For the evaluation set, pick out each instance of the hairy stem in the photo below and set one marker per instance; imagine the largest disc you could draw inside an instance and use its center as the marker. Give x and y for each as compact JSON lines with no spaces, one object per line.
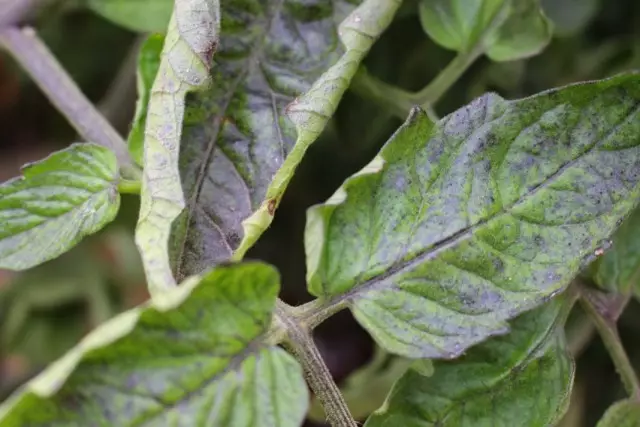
{"x":300,"y":343}
{"x":317,"y":311}
{"x":605,"y":323}
{"x":37,"y":60}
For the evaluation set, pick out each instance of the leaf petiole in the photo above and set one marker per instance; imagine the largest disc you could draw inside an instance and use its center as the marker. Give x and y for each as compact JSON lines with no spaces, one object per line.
{"x":126,"y":186}
{"x":432,"y":93}
{"x":604,"y":312}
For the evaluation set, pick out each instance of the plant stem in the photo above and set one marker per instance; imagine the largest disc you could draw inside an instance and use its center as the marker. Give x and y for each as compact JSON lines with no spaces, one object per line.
{"x":37,"y":60}
{"x":126,"y":186}
{"x":318,"y":376}
{"x":395,"y":100}
{"x":432,"y":93}
{"x":317,"y":311}
{"x":13,"y":12}
{"x":606,"y":326}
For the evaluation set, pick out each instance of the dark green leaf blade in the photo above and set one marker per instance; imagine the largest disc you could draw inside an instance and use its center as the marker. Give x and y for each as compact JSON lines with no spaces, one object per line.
{"x":58,"y":201}
{"x":457,"y":227}
{"x":625,"y":413}
{"x":521,"y":379}
{"x":148,"y":65}
{"x":136,"y":15}
{"x":504,"y":30}
{"x":195,"y":357}
{"x":618,"y":270}
{"x":280,"y":72}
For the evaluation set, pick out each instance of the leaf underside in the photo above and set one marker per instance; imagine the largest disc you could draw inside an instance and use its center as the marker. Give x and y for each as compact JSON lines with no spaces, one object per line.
{"x":459,"y":226}
{"x":58,"y":200}
{"x":521,"y":379}
{"x":281,"y":69}
{"x":199,"y":362}
{"x":187,"y":53}
{"x":147,"y":70}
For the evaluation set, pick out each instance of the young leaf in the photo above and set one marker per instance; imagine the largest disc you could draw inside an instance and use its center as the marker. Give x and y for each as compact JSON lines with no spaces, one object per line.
{"x":186,"y":59}
{"x":148,"y":65}
{"x":521,"y":379}
{"x":138,"y":15}
{"x":196,"y":359}
{"x":619,"y":269}
{"x":622,"y":414}
{"x":279,"y":76}
{"x":459,"y":226}
{"x":504,"y":30}
{"x":58,"y":200}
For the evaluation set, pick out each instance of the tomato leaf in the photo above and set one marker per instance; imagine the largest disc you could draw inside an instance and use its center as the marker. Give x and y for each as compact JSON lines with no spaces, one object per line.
{"x":280,"y":72}
{"x":618,"y":270}
{"x":504,"y":30}
{"x":186,"y":60}
{"x":136,"y":15}
{"x":457,"y":227}
{"x":148,"y":65}
{"x":522,"y":379}
{"x":622,"y":414}
{"x":58,"y":201}
{"x":194,"y":357}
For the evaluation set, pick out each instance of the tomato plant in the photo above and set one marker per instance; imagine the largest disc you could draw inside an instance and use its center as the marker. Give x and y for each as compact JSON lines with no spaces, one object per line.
{"x":462,"y":247}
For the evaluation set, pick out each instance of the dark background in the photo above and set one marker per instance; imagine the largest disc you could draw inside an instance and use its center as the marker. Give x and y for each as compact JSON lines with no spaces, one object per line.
{"x":45,"y":311}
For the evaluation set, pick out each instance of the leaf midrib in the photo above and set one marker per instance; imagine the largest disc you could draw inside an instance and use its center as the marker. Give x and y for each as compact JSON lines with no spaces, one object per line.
{"x":466,"y":233}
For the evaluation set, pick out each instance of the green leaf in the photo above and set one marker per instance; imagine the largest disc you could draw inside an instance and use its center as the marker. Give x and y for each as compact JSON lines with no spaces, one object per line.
{"x":136,"y":15}
{"x":625,"y":413}
{"x":570,"y":16}
{"x":184,"y":67}
{"x":366,"y":388}
{"x":504,"y":30}
{"x":458,"y":226}
{"x":521,"y":379}
{"x":58,"y":200}
{"x":281,"y":71}
{"x":619,"y":269}
{"x":148,"y":65}
{"x":196,"y":357}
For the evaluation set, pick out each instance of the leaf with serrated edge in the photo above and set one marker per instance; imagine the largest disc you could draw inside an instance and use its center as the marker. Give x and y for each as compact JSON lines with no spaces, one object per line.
{"x":504,"y":30}
{"x":459,"y":226}
{"x":136,"y":15}
{"x":618,"y":270}
{"x":196,"y":358}
{"x":186,"y":58}
{"x":625,"y":413}
{"x":280,"y":72}
{"x":521,"y":379}
{"x":58,"y":201}
{"x":148,"y":64}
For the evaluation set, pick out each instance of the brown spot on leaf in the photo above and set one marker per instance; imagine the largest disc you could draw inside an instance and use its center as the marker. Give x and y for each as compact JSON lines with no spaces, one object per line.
{"x":271,"y":206}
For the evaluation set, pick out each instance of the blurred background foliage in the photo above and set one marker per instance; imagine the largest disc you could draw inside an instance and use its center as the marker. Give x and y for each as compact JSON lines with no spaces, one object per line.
{"x":46,"y":310}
